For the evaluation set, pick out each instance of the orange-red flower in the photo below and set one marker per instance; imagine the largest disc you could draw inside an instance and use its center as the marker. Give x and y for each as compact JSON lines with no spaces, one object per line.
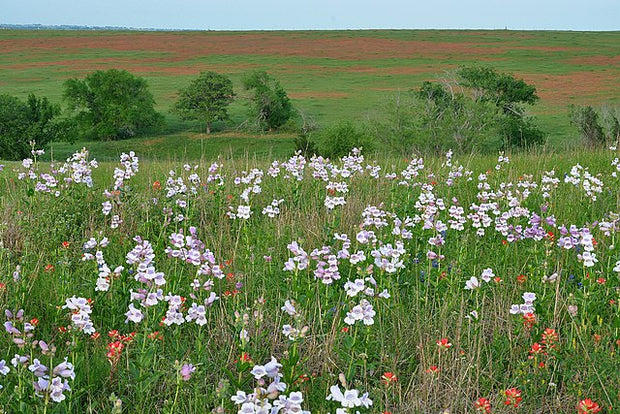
{"x":388,"y":378}
{"x":433,"y":369}
{"x":536,"y":349}
{"x":549,"y":337}
{"x":114,"y":351}
{"x":588,"y":406}
{"x":529,"y":320}
{"x":513,"y":397}
{"x":443,"y":343}
{"x":482,"y":405}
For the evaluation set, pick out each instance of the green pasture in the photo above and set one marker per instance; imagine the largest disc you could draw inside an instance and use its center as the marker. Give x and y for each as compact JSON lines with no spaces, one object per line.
{"x":328,"y":86}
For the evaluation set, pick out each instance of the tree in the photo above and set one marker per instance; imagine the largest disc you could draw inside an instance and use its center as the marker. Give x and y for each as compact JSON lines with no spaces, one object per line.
{"x":509,"y":95}
{"x":206,"y":99}
{"x":24,"y":122}
{"x":503,"y":90}
{"x":112,"y":104}
{"x":271,"y":106}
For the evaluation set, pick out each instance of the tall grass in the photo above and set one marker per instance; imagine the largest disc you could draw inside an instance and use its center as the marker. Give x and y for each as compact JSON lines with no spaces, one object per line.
{"x":406,"y":328}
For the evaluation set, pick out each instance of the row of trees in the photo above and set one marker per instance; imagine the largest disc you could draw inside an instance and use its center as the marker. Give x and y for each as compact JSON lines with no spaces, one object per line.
{"x":115,"y":104}
{"x":473,"y":108}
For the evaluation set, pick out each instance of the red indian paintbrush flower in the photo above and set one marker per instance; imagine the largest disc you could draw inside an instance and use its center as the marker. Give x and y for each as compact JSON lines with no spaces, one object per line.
{"x":443,"y":343}
{"x":482,"y":405}
{"x":513,"y":397}
{"x":588,"y":406}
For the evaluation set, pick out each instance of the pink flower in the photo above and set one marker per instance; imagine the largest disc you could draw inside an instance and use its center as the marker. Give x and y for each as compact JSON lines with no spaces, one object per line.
{"x":186,"y":371}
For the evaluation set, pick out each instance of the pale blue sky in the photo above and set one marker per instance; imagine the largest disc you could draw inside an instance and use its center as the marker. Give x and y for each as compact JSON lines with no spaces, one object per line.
{"x":318,"y":14}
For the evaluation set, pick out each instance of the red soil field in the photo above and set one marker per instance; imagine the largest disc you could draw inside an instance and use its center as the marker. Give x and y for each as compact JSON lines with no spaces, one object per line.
{"x":182,"y":46}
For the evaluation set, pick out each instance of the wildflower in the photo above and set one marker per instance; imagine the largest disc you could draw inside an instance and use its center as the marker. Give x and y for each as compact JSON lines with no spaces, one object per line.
{"x":270,"y":369}
{"x":38,"y":369}
{"x":513,"y":397}
{"x":186,"y":371}
{"x":482,"y":405}
{"x":66,"y":244}
{"x":521,"y":279}
{"x":549,"y":337}
{"x":289,"y":307}
{"x":572,"y":310}
{"x":388,"y":378}
{"x":536,"y":349}
{"x":65,"y":370}
{"x":487,"y":275}
{"x":588,"y":406}
{"x":348,"y":399}
{"x":156,"y":185}
{"x":114,"y":352}
{"x":529,"y":320}
{"x":433,"y":369}
{"x":472,"y":283}
{"x":443,"y":343}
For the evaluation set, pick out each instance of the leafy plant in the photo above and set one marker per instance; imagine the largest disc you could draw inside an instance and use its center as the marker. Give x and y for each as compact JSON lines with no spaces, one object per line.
{"x":111,"y":105}
{"x":24,"y":122}
{"x":206,"y":99}
{"x":271,"y":106}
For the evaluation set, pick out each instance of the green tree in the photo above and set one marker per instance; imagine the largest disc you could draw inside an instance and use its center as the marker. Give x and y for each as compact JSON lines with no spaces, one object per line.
{"x":509,"y":95}
{"x":503,"y":90}
{"x":271,"y":106}
{"x":206,"y":99}
{"x":23,"y":122}
{"x":112,"y":104}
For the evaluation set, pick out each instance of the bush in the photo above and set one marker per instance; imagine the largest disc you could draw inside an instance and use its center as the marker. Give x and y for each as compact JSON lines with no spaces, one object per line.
{"x":519,"y":133}
{"x":586,"y":119}
{"x":111,"y":105}
{"x":340,"y":139}
{"x":23,"y":122}
{"x":271,"y":106}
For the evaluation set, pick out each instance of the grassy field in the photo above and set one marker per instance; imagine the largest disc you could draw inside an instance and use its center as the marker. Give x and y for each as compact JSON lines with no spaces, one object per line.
{"x":331,"y":75}
{"x":250,"y":286}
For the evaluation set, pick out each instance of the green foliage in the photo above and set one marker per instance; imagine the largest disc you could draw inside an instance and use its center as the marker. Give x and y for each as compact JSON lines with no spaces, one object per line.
{"x":509,"y":95}
{"x":519,"y":132}
{"x":434,"y":120}
{"x":305,"y":145}
{"x":111,"y":105}
{"x":587,"y":121}
{"x":503,"y":90}
{"x":206,"y":99}
{"x":597,"y":126}
{"x":340,"y":139}
{"x":271,"y":106}
{"x":23,"y":122}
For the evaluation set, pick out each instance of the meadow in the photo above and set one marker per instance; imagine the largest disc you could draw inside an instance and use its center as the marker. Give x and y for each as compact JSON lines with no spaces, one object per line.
{"x":375,"y":285}
{"x":330,"y":75}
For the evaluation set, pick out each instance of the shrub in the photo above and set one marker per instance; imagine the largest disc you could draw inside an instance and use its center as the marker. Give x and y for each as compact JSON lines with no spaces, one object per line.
{"x":271,"y":106}
{"x":340,"y":139}
{"x":23,"y":122}
{"x":586,"y":119}
{"x":111,"y":105}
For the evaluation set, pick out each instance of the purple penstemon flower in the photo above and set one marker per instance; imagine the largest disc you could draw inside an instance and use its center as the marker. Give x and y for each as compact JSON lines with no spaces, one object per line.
{"x":186,"y":371}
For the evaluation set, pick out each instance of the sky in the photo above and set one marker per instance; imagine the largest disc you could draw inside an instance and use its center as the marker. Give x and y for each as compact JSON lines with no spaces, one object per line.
{"x":318,"y":14}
